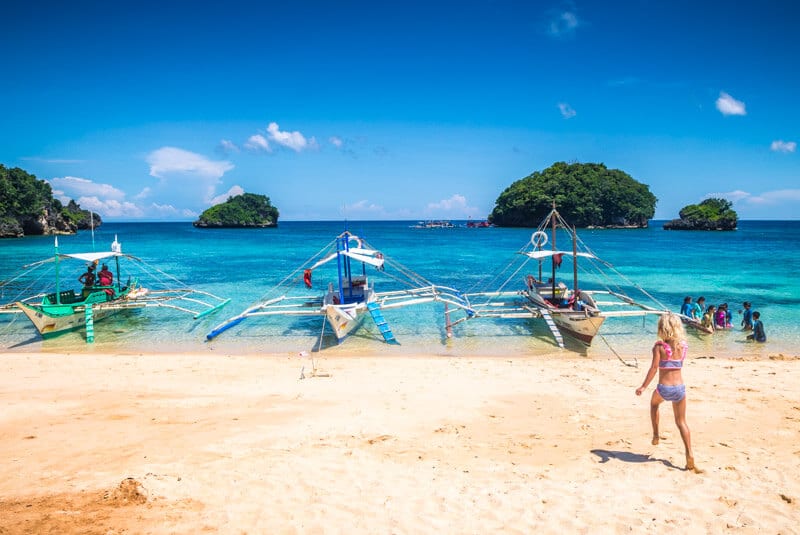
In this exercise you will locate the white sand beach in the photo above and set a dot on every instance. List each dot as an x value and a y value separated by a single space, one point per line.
214 443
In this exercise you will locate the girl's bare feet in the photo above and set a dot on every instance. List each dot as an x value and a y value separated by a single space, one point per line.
654 442
690 466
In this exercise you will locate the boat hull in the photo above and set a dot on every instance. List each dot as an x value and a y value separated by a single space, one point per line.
53 321
578 325
582 325
344 319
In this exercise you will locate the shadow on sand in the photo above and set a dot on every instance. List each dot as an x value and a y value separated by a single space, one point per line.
628 457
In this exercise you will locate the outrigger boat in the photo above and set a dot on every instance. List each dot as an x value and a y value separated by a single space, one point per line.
576 312
347 301
65 310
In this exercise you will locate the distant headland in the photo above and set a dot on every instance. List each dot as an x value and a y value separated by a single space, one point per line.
711 214
248 210
589 195
28 208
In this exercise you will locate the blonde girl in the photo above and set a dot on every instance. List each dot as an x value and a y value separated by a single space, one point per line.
669 353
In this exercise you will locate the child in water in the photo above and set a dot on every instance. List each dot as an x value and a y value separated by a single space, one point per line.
720 319
708 318
758 329
747 317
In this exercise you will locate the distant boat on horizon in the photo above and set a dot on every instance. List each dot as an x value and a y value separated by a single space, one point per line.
434 224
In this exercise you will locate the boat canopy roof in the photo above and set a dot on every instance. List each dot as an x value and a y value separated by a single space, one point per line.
91 257
368 256
538 255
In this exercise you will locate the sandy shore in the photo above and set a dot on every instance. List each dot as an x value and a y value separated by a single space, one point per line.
205 443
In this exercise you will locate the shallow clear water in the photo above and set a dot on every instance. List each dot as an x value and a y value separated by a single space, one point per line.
758 263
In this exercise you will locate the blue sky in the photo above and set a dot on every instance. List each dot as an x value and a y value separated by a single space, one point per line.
398 110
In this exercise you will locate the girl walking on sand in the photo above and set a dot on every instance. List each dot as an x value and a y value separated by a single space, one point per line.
669 353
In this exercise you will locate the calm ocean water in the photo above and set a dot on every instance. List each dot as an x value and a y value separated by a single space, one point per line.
759 262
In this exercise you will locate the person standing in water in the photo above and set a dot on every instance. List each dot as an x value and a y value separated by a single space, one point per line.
669 354
747 317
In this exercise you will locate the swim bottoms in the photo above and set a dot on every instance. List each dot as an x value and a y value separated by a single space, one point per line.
672 392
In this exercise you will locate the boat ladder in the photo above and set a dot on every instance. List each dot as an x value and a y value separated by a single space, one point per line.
88 316
548 319
380 321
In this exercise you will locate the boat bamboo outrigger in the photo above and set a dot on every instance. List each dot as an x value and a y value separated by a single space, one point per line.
346 302
59 310
573 311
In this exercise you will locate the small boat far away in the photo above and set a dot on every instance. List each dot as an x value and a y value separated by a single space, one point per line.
434 224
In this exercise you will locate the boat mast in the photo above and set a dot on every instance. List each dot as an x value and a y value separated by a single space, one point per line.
58 282
117 248
553 217
574 260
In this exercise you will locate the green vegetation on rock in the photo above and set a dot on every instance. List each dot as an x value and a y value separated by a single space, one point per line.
711 214
586 195
245 210
27 207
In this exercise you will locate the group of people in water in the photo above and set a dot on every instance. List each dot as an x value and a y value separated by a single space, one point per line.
715 318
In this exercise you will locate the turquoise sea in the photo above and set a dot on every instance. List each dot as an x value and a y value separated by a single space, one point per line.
759 262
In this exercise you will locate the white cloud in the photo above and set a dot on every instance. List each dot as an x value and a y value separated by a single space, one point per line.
783 146
455 206
776 197
110 207
563 24
336 141
732 196
164 209
727 105
768 197
74 187
145 193
566 110
363 206
227 146
257 142
293 140
233 192
169 160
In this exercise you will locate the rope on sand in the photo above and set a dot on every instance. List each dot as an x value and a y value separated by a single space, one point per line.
635 362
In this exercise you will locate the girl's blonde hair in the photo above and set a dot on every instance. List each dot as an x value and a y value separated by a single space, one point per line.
670 329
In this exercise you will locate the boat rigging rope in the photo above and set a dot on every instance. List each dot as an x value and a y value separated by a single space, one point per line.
322 333
294 274
635 362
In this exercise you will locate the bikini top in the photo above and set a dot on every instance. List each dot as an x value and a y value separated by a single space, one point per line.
669 363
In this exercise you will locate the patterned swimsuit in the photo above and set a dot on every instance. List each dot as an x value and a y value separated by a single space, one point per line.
672 393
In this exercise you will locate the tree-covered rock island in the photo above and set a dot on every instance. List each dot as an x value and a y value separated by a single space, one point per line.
711 214
27 207
247 210
586 195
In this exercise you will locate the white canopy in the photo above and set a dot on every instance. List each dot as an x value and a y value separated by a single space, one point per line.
92 257
368 256
538 255
377 262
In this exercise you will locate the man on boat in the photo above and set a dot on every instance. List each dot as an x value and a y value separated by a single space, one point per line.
87 279
106 278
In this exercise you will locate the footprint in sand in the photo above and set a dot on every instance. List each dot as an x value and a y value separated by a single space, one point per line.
381 438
